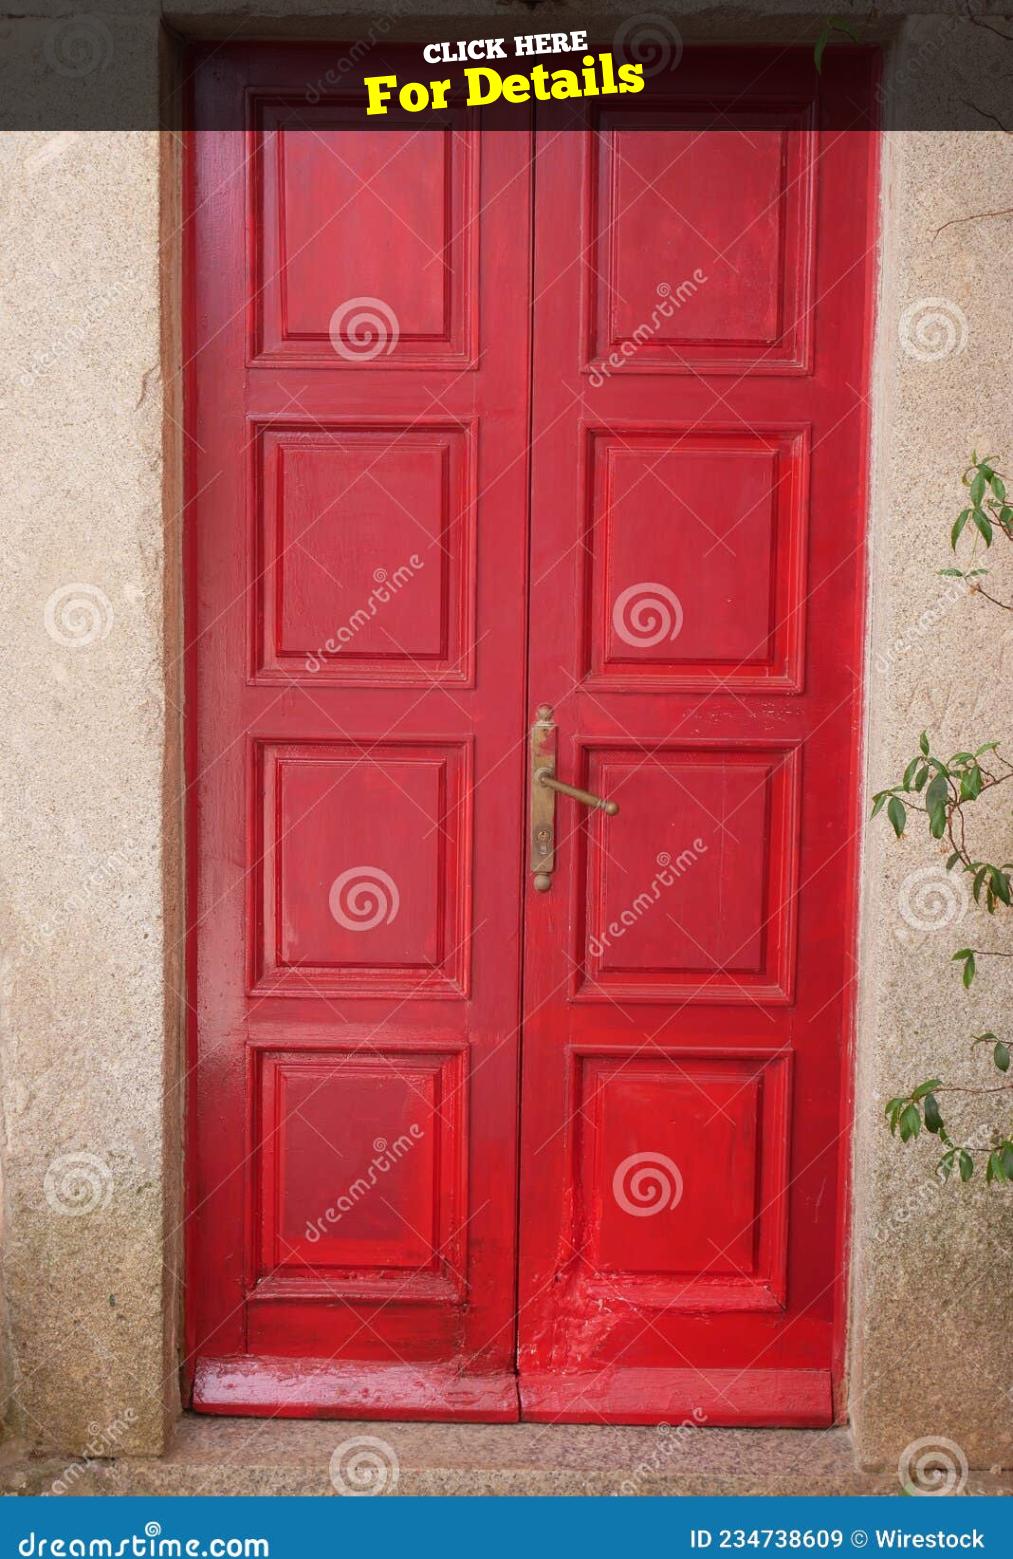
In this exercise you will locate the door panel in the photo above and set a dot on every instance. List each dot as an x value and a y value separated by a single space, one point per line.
359 419
697 494
480 426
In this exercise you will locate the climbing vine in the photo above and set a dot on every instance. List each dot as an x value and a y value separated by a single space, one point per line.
945 790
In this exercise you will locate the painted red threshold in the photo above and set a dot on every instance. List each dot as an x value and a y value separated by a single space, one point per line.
762 1399
311 1388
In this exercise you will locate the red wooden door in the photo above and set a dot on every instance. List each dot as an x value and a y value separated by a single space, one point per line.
699 352
359 426
664 327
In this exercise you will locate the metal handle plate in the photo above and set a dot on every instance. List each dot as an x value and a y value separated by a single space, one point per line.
544 786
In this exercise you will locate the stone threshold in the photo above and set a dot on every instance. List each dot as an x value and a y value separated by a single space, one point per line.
290 1457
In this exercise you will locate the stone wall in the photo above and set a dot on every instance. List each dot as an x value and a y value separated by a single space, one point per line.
91 868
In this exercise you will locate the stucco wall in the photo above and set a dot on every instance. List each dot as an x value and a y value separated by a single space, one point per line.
91 865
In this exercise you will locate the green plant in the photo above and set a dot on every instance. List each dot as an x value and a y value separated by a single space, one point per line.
943 789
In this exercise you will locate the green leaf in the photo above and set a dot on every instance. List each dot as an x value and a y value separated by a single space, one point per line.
897 814
984 525
951 860
978 484
879 802
933 1119
969 970
958 526
1000 885
1000 1056
966 1165
923 742
910 1123
909 773
927 1088
998 486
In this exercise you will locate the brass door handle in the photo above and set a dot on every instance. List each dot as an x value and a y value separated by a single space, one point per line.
544 786
544 777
